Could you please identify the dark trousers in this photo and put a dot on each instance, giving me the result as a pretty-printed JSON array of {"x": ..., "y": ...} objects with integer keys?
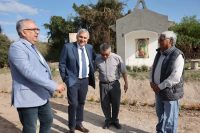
[
  {"x": 76, "y": 99},
  {"x": 29, "y": 116},
  {"x": 110, "y": 94}
]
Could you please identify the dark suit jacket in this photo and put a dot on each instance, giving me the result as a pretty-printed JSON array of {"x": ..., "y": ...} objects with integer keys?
[{"x": 69, "y": 64}]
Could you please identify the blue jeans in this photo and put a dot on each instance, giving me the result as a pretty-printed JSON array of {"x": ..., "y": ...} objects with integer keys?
[
  {"x": 29, "y": 116},
  {"x": 167, "y": 112}
]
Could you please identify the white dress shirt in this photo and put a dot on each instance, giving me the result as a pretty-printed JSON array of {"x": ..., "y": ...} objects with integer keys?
[
  {"x": 80, "y": 61},
  {"x": 40, "y": 55},
  {"x": 174, "y": 77}
]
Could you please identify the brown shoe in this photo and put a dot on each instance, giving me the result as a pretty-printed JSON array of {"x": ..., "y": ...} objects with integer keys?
[{"x": 82, "y": 129}]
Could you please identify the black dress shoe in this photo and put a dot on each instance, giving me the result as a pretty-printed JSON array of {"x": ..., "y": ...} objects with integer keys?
[
  {"x": 71, "y": 131},
  {"x": 106, "y": 125},
  {"x": 117, "y": 125},
  {"x": 82, "y": 129}
]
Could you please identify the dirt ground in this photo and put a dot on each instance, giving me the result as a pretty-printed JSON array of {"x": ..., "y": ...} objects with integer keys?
[{"x": 135, "y": 119}]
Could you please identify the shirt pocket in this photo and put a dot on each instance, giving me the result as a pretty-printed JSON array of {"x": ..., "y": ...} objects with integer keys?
[
  {"x": 112, "y": 68},
  {"x": 101, "y": 68}
]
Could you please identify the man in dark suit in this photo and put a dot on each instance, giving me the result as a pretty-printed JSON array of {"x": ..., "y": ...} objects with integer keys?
[{"x": 77, "y": 71}]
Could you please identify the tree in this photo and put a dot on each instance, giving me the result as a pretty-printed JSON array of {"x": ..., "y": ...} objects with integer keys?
[
  {"x": 188, "y": 31},
  {"x": 98, "y": 19},
  {"x": 59, "y": 29},
  {"x": 4, "y": 45},
  {"x": 0, "y": 30}
]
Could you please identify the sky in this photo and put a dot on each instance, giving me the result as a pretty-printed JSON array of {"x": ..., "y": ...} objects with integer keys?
[{"x": 41, "y": 11}]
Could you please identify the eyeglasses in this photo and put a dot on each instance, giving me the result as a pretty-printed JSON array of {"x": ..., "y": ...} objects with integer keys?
[
  {"x": 163, "y": 37},
  {"x": 105, "y": 54},
  {"x": 33, "y": 29}
]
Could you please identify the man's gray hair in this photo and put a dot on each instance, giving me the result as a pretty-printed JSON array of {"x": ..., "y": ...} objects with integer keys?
[
  {"x": 20, "y": 25},
  {"x": 171, "y": 35},
  {"x": 104, "y": 47},
  {"x": 83, "y": 30}
]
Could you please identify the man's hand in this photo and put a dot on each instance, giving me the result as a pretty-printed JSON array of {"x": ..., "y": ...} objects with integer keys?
[
  {"x": 60, "y": 88},
  {"x": 125, "y": 87},
  {"x": 155, "y": 87},
  {"x": 152, "y": 85}
]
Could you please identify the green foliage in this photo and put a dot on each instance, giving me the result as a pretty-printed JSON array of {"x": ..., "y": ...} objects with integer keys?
[
  {"x": 44, "y": 48},
  {"x": 189, "y": 75},
  {"x": 192, "y": 75},
  {"x": 138, "y": 72},
  {"x": 0, "y": 29},
  {"x": 143, "y": 68},
  {"x": 59, "y": 28},
  {"x": 4, "y": 45},
  {"x": 189, "y": 26},
  {"x": 188, "y": 41},
  {"x": 98, "y": 19},
  {"x": 128, "y": 68}
]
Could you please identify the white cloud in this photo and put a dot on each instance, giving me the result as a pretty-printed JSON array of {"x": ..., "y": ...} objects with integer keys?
[
  {"x": 4, "y": 14},
  {"x": 13, "y": 6},
  {"x": 7, "y": 23},
  {"x": 18, "y": 17}
]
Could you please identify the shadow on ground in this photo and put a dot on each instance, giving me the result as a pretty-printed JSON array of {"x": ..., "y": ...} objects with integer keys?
[
  {"x": 7, "y": 126},
  {"x": 92, "y": 118}
]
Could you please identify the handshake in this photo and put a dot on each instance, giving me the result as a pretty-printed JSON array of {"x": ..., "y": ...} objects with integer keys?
[{"x": 60, "y": 88}]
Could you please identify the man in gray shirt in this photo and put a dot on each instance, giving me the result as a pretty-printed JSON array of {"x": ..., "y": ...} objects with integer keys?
[{"x": 110, "y": 66}]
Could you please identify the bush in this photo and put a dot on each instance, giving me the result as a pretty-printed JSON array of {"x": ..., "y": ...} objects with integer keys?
[
  {"x": 4, "y": 45},
  {"x": 135, "y": 69},
  {"x": 128, "y": 68},
  {"x": 144, "y": 68},
  {"x": 140, "y": 69}
]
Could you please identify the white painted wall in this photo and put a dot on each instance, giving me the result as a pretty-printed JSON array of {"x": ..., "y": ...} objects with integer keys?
[
  {"x": 72, "y": 37},
  {"x": 130, "y": 47}
]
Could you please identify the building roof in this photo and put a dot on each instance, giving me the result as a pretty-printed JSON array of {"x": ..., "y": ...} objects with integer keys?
[{"x": 143, "y": 19}]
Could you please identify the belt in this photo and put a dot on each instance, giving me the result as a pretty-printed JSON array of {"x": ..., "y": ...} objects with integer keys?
[
  {"x": 107, "y": 82},
  {"x": 83, "y": 78}
]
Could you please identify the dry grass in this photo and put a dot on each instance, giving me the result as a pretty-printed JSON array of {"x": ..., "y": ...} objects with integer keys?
[
  {"x": 4, "y": 70},
  {"x": 191, "y": 107},
  {"x": 91, "y": 99},
  {"x": 4, "y": 90}
]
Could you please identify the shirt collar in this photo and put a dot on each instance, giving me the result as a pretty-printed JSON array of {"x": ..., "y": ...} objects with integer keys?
[
  {"x": 79, "y": 47},
  {"x": 111, "y": 54},
  {"x": 168, "y": 51},
  {"x": 25, "y": 41}
]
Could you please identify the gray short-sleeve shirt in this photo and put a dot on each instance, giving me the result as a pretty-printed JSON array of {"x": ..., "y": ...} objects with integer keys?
[{"x": 110, "y": 69}]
